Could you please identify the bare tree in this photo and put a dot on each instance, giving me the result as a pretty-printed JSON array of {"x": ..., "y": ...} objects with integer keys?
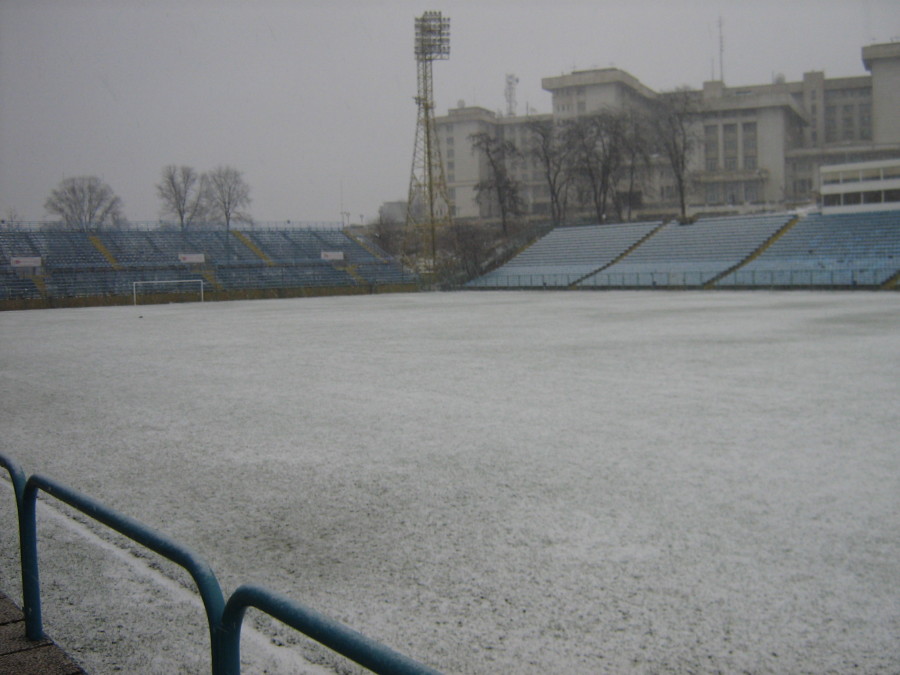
[
  {"x": 183, "y": 194},
  {"x": 86, "y": 203},
  {"x": 227, "y": 194},
  {"x": 388, "y": 234},
  {"x": 11, "y": 219},
  {"x": 596, "y": 146},
  {"x": 676, "y": 138},
  {"x": 552, "y": 155},
  {"x": 499, "y": 186}
]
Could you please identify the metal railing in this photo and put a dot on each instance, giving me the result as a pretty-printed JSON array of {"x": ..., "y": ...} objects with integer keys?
[
  {"x": 768, "y": 278},
  {"x": 224, "y": 619}
]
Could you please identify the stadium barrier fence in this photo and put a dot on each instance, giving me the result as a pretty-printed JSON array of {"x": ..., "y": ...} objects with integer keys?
[
  {"x": 224, "y": 618},
  {"x": 767, "y": 278}
]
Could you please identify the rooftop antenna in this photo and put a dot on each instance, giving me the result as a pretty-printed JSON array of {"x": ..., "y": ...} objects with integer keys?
[
  {"x": 510, "y": 94},
  {"x": 721, "y": 51},
  {"x": 428, "y": 205}
]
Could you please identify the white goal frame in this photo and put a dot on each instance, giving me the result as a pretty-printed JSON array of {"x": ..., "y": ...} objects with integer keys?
[{"x": 135, "y": 284}]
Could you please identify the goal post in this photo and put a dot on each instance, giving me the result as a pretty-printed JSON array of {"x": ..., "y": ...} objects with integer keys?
[{"x": 135, "y": 284}]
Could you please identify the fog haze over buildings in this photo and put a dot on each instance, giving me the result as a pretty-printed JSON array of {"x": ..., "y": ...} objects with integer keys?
[{"x": 313, "y": 101}]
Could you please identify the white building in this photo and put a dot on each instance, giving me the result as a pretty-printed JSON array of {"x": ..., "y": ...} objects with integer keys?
[
  {"x": 861, "y": 186},
  {"x": 759, "y": 147}
]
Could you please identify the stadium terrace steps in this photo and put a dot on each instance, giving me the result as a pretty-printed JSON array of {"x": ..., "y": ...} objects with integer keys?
[
  {"x": 624, "y": 253},
  {"x": 210, "y": 277},
  {"x": 111, "y": 259},
  {"x": 379, "y": 255},
  {"x": 758, "y": 252},
  {"x": 22, "y": 656},
  {"x": 847, "y": 249},
  {"x": 780, "y": 249},
  {"x": 690, "y": 254},
  {"x": 246, "y": 241},
  {"x": 565, "y": 255},
  {"x": 892, "y": 282}
]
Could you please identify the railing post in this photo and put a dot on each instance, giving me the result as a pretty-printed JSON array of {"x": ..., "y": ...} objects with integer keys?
[
  {"x": 31, "y": 597},
  {"x": 31, "y": 581}
]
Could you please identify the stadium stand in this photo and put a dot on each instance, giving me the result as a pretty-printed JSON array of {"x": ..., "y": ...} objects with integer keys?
[
  {"x": 846, "y": 249},
  {"x": 566, "y": 255},
  {"x": 105, "y": 265},
  {"x": 768, "y": 250},
  {"x": 786, "y": 250},
  {"x": 690, "y": 255},
  {"x": 14, "y": 287}
]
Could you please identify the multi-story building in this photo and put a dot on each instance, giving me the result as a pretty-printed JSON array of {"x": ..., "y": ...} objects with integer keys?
[{"x": 757, "y": 147}]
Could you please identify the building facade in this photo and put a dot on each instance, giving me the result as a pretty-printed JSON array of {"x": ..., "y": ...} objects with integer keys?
[{"x": 756, "y": 147}]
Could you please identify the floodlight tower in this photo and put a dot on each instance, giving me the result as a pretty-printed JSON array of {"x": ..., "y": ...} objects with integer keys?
[{"x": 428, "y": 205}]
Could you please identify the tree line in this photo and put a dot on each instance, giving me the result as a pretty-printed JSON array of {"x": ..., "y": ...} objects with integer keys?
[
  {"x": 595, "y": 162},
  {"x": 189, "y": 199}
]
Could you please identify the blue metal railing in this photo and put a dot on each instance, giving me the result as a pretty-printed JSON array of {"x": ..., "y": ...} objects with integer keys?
[
  {"x": 355, "y": 646},
  {"x": 750, "y": 278},
  {"x": 224, "y": 618}
]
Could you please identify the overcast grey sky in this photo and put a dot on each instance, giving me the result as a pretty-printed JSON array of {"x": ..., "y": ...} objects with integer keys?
[{"x": 313, "y": 100}]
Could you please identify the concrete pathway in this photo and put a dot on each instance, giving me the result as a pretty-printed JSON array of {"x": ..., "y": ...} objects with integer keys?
[{"x": 21, "y": 656}]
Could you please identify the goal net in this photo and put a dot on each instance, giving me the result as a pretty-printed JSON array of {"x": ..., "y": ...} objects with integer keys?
[{"x": 166, "y": 282}]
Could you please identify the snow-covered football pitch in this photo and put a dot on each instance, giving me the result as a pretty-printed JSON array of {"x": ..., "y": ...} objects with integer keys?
[{"x": 512, "y": 482}]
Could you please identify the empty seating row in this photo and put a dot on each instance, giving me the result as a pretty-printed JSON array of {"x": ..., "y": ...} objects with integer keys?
[
  {"x": 61, "y": 249},
  {"x": 847, "y": 249},
  {"x": 780, "y": 249},
  {"x": 285, "y": 276},
  {"x": 14, "y": 287},
  {"x": 690, "y": 255},
  {"x": 77, "y": 264},
  {"x": 565, "y": 255}
]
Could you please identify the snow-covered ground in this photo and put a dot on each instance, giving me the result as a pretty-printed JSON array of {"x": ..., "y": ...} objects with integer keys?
[{"x": 488, "y": 482}]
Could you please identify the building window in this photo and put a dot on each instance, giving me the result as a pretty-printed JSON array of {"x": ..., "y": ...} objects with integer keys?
[
  {"x": 872, "y": 197},
  {"x": 711, "y": 147},
  {"x": 712, "y": 193},
  {"x": 750, "y": 163},
  {"x": 802, "y": 187},
  {"x": 730, "y": 146},
  {"x": 751, "y": 191},
  {"x": 749, "y": 133},
  {"x": 847, "y": 123},
  {"x": 733, "y": 193},
  {"x": 865, "y": 121}
]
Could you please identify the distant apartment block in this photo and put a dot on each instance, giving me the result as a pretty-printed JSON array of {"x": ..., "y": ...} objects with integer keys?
[{"x": 758, "y": 147}]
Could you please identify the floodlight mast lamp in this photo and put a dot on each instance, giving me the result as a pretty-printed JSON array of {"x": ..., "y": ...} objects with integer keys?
[{"x": 428, "y": 205}]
